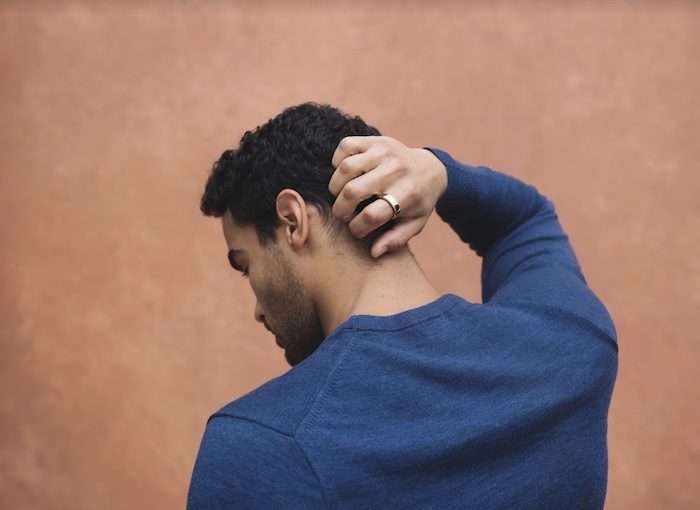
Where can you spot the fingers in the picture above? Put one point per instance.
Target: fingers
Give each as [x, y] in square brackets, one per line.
[397, 237]
[351, 145]
[359, 189]
[352, 167]
[372, 165]
[371, 218]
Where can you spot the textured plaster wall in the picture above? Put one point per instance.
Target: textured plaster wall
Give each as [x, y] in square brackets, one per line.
[121, 325]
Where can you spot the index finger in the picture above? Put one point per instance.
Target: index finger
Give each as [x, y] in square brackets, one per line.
[348, 146]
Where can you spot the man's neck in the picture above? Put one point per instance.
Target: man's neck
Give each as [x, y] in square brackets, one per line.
[396, 285]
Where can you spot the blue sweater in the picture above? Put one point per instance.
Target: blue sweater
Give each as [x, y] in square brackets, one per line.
[452, 405]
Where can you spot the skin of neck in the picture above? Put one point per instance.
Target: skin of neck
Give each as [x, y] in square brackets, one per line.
[343, 283]
[398, 284]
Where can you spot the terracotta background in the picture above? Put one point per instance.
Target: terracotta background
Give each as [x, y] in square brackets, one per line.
[122, 327]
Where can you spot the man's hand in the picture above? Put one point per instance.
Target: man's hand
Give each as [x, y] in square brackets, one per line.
[375, 165]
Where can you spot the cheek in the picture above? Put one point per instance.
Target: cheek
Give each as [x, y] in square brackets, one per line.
[257, 287]
[262, 284]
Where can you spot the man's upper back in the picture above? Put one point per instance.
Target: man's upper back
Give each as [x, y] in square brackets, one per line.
[449, 405]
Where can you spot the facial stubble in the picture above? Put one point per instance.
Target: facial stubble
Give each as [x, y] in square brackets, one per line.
[292, 314]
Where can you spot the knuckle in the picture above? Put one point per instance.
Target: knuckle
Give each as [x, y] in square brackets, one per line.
[351, 191]
[345, 167]
[399, 167]
[372, 216]
[355, 230]
[412, 193]
[384, 149]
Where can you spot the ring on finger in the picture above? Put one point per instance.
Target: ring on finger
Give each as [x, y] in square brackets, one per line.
[393, 203]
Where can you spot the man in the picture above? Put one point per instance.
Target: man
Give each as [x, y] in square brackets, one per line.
[400, 397]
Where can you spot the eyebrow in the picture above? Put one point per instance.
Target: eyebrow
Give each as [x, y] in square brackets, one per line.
[232, 254]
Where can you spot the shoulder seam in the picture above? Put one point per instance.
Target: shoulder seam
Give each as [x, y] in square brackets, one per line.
[311, 468]
[287, 435]
[251, 421]
[317, 402]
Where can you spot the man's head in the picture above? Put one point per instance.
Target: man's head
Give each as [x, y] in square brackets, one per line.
[272, 195]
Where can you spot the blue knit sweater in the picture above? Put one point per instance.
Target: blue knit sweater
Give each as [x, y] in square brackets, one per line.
[452, 405]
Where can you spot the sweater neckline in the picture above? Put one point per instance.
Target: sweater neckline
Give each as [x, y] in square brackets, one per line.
[403, 319]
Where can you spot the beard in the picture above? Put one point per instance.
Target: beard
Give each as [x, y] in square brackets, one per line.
[291, 315]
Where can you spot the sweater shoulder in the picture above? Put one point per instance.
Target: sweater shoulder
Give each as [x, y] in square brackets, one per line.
[282, 403]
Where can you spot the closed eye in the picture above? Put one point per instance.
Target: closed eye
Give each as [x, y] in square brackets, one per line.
[232, 260]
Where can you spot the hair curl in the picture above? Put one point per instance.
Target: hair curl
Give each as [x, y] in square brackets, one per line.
[292, 150]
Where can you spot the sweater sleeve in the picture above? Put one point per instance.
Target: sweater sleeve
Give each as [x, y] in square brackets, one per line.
[526, 254]
[242, 464]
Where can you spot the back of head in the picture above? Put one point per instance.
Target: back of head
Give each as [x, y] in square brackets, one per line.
[292, 150]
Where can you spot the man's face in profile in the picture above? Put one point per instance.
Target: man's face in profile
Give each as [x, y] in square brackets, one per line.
[283, 303]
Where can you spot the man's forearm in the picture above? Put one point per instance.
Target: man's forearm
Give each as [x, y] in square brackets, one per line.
[482, 205]
[527, 255]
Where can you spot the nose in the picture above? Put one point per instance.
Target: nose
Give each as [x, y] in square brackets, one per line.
[259, 315]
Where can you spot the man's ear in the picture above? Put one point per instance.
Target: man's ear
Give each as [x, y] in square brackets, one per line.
[293, 215]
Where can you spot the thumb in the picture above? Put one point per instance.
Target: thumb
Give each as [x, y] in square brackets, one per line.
[397, 237]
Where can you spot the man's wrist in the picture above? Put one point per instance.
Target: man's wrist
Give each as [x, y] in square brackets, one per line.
[437, 168]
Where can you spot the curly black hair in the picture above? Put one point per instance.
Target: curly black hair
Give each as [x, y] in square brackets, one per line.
[292, 150]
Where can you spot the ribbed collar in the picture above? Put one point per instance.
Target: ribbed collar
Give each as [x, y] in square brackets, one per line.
[403, 319]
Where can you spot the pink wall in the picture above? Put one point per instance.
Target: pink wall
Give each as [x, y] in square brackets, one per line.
[122, 328]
